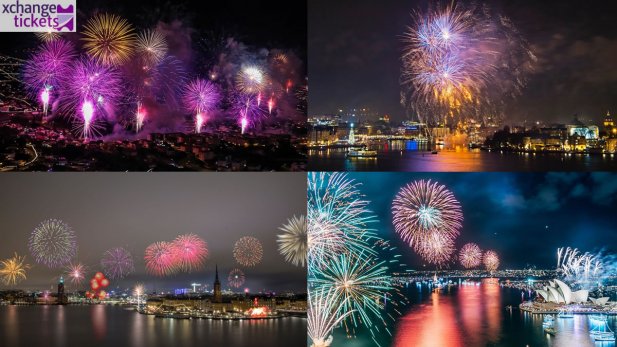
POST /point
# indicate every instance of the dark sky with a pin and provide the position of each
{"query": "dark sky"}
(355, 48)
(133, 210)
(525, 217)
(262, 24)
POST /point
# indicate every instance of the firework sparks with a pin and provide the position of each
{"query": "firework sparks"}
(151, 47)
(251, 80)
(470, 255)
(428, 217)
(13, 270)
(53, 243)
(322, 316)
(337, 219)
(461, 62)
(248, 251)
(579, 268)
(491, 260)
(293, 241)
(48, 36)
(76, 272)
(117, 263)
(191, 252)
(161, 259)
(235, 278)
(47, 67)
(109, 39)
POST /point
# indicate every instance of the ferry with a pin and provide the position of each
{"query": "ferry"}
(601, 331)
(548, 321)
(550, 331)
(361, 153)
(565, 314)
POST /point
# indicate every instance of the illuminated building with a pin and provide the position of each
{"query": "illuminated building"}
(218, 296)
(61, 296)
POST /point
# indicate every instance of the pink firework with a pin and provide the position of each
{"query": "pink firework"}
(48, 65)
(201, 96)
(248, 109)
(470, 255)
(191, 252)
(491, 260)
(428, 217)
(161, 259)
(117, 263)
(76, 272)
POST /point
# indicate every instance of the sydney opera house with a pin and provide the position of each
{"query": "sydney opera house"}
(560, 293)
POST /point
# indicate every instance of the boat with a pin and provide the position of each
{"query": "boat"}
(599, 318)
(361, 153)
(548, 321)
(601, 331)
(550, 331)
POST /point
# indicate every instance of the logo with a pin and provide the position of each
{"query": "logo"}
(37, 15)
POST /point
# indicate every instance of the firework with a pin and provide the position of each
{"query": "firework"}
(322, 316)
(461, 61)
(140, 117)
(109, 39)
(45, 69)
(48, 36)
(293, 241)
(491, 260)
(470, 255)
(117, 262)
(251, 80)
(161, 259)
(13, 270)
(169, 78)
(337, 218)
(270, 105)
(76, 272)
(53, 243)
(359, 285)
(201, 96)
(428, 217)
(579, 268)
(191, 252)
(235, 278)
(151, 47)
(248, 251)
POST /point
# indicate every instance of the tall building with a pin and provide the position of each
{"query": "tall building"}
(61, 296)
(218, 296)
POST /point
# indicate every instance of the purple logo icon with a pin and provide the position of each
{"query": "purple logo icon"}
(65, 18)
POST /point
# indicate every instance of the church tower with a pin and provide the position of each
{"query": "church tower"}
(218, 297)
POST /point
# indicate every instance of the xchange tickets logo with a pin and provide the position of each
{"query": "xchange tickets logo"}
(37, 15)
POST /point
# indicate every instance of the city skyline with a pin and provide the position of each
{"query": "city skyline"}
(133, 211)
(354, 58)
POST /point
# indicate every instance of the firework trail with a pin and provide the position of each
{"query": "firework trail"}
(161, 259)
(428, 217)
(53, 243)
(579, 268)
(470, 255)
(13, 270)
(109, 39)
(248, 109)
(117, 263)
(235, 278)
(201, 97)
(76, 273)
(461, 62)
(46, 68)
(293, 241)
(151, 47)
(322, 316)
(248, 251)
(491, 260)
(338, 219)
(191, 252)
(359, 285)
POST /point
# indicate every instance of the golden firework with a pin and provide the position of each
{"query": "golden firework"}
(13, 270)
(151, 47)
(109, 39)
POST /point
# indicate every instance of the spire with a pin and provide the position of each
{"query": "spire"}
(217, 274)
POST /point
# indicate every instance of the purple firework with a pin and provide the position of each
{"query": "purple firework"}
(201, 96)
(117, 263)
(91, 82)
(248, 110)
(48, 65)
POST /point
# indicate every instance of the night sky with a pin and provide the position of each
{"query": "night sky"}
(355, 48)
(524, 217)
(133, 210)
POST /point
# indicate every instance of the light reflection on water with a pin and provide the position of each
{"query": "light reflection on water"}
(475, 315)
(409, 156)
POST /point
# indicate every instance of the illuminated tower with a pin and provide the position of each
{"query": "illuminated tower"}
(61, 296)
(352, 137)
(218, 297)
